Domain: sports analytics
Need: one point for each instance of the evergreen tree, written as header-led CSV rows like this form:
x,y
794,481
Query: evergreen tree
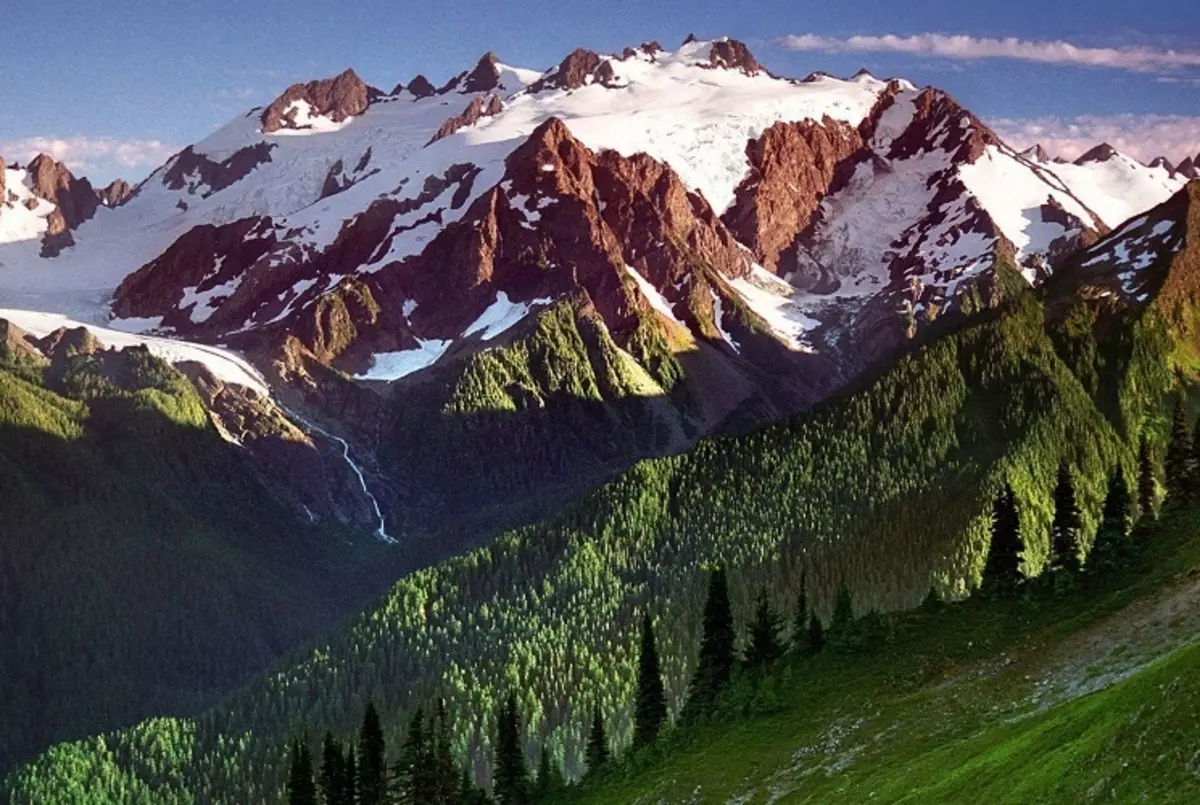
x,y
816,634
1064,530
1147,483
510,781
301,787
597,754
412,778
716,661
766,642
843,630
550,779
333,764
650,699
350,778
1178,465
445,776
1002,572
800,644
372,773
1109,547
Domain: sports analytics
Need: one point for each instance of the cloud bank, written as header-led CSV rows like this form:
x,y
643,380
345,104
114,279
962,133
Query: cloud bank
x,y
83,154
1143,137
1135,58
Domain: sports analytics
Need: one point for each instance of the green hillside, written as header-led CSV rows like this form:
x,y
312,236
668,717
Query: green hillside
x,y
886,489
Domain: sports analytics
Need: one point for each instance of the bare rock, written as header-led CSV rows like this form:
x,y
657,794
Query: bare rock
x,y
338,98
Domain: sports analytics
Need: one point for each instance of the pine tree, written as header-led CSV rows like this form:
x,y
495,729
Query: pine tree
x,y
549,777
816,634
1147,483
510,781
716,661
597,754
445,776
411,779
766,642
350,778
650,699
333,764
1002,572
844,634
1112,537
301,787
1178,466
800,644
1066,526
372,773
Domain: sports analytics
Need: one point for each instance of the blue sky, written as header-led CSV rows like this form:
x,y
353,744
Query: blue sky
x,y
114,87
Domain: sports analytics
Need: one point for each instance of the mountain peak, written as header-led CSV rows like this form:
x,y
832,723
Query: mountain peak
x,y
1036,154
733,55
1100,153
483,77
307,106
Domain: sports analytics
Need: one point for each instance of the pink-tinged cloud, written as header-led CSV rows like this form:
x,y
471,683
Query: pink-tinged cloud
x,y
1142,137
1136,58
82,154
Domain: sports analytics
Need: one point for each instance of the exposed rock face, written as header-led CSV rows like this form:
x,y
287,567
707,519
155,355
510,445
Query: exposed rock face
x,y
481,106
1164,163
1101,153
734,55
338,98
3,182
116,194
483,77
1036,154
1189,168
16,345
201,175
966,137
420,87
74,199
793,166
574,72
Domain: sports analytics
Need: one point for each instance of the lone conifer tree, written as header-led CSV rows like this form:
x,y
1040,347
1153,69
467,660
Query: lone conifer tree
x,y
549,777
332,771
650,701
596,754
816,634
1109,547
510,780
445,775
799,641
1147,483
372,773
412,778
1002,572
350,778
1064,530
844,634
301,787
766,642
715,665
1178,466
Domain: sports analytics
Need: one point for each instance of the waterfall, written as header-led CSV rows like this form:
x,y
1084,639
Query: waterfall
x,y
380,532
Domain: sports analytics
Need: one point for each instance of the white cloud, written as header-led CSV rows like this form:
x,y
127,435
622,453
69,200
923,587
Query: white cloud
x,y
1136,58
83,154
1143,137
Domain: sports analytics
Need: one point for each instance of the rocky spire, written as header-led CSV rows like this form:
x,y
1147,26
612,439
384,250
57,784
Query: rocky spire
x,y
1101,153
338,98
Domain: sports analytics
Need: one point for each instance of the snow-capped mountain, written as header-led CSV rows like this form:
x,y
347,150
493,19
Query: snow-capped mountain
x,y
712,244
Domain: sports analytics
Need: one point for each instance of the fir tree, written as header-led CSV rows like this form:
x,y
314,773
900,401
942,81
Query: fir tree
x,y
445,776
816,634
510,781
350,778
372,773
766,643
1002,572
1109,547
597,754
650,700
1147,483
549,777
411,778
800,644
301,787
1178,465
1064,530
333,764
843,630
716,661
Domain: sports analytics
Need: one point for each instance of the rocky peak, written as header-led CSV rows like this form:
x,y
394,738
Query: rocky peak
x,y
1101,153
64,343
574,71
338,98
1189,168
483,77
731,54
939,118
116,193
16,345
75,198
420,87
1036,154
479,107
1162,162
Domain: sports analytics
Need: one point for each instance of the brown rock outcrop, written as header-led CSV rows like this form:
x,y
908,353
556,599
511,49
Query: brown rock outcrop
x,y
75,199
189,169
573,72
479,107
1100,153
16,345
962,135
338,98
731,54
483,77
3,183
420,87
116,193
793,166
